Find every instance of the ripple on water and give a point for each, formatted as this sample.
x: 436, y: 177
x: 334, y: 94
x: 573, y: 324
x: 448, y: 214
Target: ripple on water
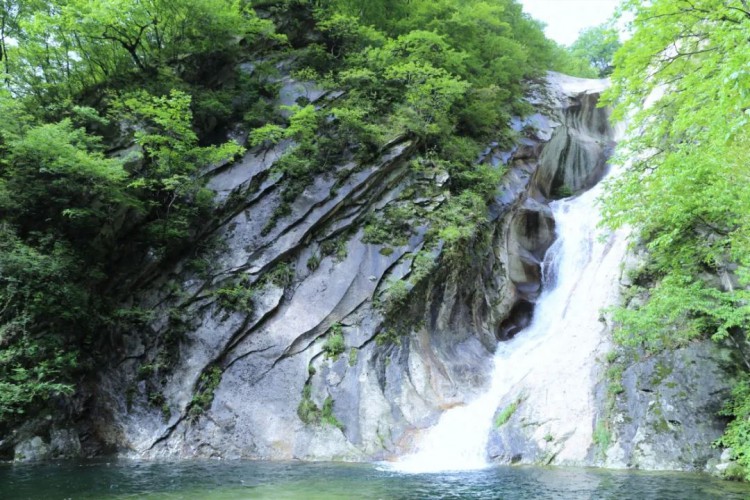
x: 310, y: 481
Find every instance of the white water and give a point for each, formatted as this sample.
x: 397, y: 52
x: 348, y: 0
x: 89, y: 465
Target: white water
x: 553, y: 356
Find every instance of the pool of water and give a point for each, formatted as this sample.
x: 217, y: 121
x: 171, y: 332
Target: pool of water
x: 291, y: 480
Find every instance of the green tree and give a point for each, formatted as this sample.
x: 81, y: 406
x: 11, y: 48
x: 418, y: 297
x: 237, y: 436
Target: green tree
x: 58, y: 196
x: 65, y: 47
x: 42, y: 303
x: 172, y: 159
x: 68, y: 211
x: 564, y: 61
x: 598, y: 46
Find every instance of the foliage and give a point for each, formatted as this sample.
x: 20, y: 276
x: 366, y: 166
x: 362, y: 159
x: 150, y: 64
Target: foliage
x: 45, y: 279
x: 75, y: 224
x: 335, y: 247
x: 353, y: 356
x: 23, y: 385
x: 394, y: 296
x: 157, y: 400
x: 204, y: 395
x: 684, y: 192
x: 422, y: 266
x: 389, y: 336
x: 236, y: 297
x: 598, y: 45
x: 280, y: 275
x: 334, y: 345
x: 313, y: 262
x: 54, y: 175
x: 682, y: 80
x: 171, y: 161
x: 504, y: 416
x: 309, y: 413
x: 602, y: 435
x: 393, y: 227
x: 327, y: 417
x: 459, y: 222
x: 614, y: 379
x: 736, y: 435
x: 307, y: 410
x: 575, y: 65
x: 79, y: 44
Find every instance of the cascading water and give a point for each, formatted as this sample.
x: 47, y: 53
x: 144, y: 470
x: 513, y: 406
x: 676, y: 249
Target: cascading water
x: 580, y: 275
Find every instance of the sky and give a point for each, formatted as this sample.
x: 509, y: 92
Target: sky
x: 565, y: 18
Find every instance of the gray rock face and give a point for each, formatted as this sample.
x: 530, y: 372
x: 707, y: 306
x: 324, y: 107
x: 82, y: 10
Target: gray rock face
x: 576, y: 156
x: 531, y: 232
x: 64, y: 443
x: 666, y: 416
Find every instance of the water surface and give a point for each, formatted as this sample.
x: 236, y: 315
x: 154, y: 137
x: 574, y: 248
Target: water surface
x: 296, y: 480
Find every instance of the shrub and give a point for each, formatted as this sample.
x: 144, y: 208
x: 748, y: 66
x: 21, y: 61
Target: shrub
x: 504, y: 416
x: 326, y: 414
x: 602, y: 435
x: 308, y: 411
x: 204, y: 396
x: 334, y: 345
x: 395, y: 296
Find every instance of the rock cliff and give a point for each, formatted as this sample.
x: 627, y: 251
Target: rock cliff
x: 311, y: 367
x: 278, y: 338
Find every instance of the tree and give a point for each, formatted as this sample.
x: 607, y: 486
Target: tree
x: 67, y: 209
x: 58, y: 194
x: 598, y: 46
x: 172, y: 159
x: 78, y: 44
x: 564, y: 61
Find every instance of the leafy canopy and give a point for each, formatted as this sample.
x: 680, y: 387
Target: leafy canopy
x: 598, y: 46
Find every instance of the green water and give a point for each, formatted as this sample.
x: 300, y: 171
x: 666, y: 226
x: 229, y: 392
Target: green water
x: 309, y: 481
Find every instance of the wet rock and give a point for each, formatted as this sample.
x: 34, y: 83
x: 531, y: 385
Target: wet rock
x: 667, y: 416
x: 64, y: 443
x: 532, y: 231
x: 518, y: 319
x: 31, y: 450
x: 575, y: 158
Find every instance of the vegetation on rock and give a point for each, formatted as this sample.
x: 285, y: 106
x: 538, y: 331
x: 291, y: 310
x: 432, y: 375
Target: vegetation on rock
x: 685, y: 189
x: 81, y: 227
x: 81, y: 79
x: 506, y: 413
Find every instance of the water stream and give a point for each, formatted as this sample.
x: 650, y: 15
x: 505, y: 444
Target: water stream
x: 579, y: 275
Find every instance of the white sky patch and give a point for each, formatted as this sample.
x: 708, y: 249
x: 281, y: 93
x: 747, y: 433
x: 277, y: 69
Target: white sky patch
x: 566, y: 18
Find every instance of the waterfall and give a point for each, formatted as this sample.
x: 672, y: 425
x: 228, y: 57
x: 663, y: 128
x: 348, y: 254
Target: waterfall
x: 580, y: 274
